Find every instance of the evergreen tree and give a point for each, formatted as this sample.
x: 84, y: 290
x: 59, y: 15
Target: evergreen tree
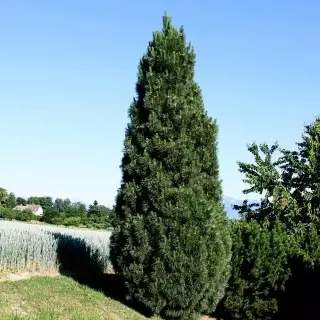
x: 171, y: 240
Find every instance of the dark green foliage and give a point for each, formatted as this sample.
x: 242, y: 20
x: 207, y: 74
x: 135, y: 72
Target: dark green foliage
x: 21, y: 201
x: 49, y: 215
x: 301, y: 299
x: 47, y: 205
x: 171, y: 240
x: 3, y: 196
x: 11, y: 201
x: 77, y: 209
x: 99, y: 215
x: 25, y: 215
x: 44, y: 202
x: 7, y: 213
x: 260, y: 271
x: 61, y: 205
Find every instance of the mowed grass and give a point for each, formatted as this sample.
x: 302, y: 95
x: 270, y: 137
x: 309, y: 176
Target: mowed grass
x: 53, y: 298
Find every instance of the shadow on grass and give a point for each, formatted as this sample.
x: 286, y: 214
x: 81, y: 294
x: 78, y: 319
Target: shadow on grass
x: 79, y: 262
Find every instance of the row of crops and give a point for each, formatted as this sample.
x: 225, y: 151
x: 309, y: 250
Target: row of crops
x: 45, y: 248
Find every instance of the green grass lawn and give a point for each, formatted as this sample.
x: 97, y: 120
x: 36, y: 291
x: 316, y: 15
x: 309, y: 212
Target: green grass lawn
x: 51, y: 298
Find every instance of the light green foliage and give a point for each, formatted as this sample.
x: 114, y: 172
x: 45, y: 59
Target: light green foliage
x: 27, y: 247
x: 301, y: 173
x: 262, y: 177
x: 293, y: 176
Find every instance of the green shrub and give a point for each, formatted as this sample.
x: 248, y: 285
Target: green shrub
x: 7, y: 213
x: 25, y: 215
x: 260, y: 271
x: 72, y: 221
x: 58, y: 220
x: 171, y: 240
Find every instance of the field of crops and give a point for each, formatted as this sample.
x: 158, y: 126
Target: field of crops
x: 45, y: 248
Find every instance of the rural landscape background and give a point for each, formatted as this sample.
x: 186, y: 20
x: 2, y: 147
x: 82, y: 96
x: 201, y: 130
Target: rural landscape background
x: 159, y: 161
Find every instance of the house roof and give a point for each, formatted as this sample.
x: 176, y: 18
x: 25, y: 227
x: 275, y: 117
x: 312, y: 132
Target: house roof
x: 32, y: 207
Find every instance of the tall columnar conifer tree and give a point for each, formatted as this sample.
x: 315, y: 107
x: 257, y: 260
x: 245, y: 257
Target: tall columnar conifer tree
x: 171, y: 239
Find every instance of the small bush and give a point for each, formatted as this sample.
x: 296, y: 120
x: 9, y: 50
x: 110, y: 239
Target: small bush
x: 7, y: 213
x: 72, y: 221
x: 25, y: 215
x: 260, y: 270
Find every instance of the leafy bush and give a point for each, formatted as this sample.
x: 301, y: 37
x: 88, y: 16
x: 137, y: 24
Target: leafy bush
x: 260, y: 271
x: 7, y: 213
x: 25, y: 215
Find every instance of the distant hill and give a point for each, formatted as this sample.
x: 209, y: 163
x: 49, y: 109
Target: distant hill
x: 228, y: 206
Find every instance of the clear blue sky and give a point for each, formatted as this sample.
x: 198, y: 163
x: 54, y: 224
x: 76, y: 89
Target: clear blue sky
x: 68, y: 72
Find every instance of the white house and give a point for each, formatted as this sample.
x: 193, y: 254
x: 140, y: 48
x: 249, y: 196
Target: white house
x: 34, y: 208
